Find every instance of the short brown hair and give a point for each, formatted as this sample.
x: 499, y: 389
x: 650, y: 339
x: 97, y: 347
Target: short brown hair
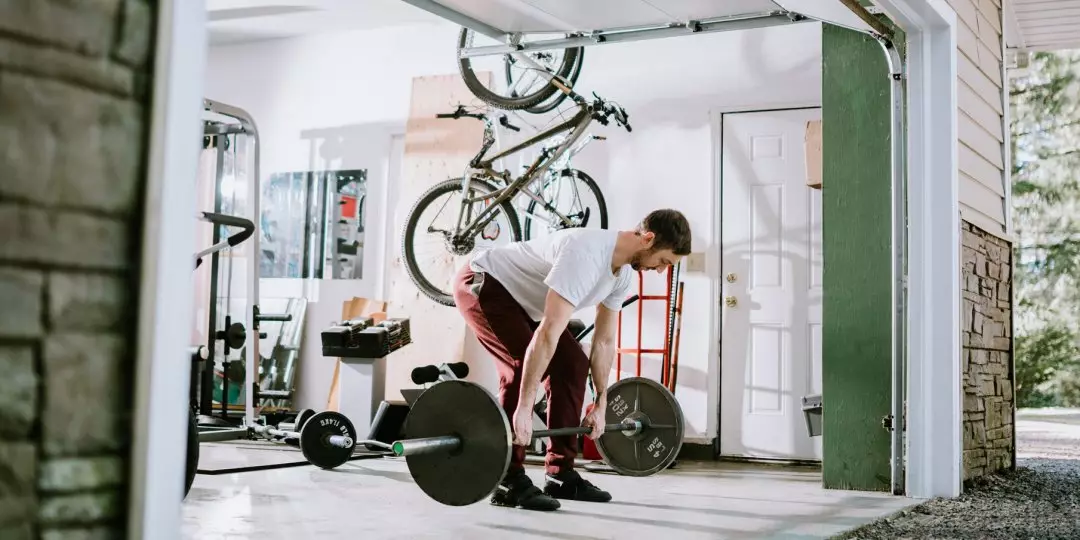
x: 670, y: 228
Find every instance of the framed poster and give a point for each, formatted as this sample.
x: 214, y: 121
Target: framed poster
x: 313, y: 223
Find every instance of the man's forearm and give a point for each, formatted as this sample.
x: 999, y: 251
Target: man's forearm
x: 600, y: 359
x: 537, y: 357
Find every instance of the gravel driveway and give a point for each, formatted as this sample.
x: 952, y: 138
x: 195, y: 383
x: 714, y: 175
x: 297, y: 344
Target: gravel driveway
x: 1038, y: 500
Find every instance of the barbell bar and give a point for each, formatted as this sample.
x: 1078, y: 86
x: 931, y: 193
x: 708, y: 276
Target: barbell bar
x: 450, y: 443
x: 340, y: 441
x: 458, y: 440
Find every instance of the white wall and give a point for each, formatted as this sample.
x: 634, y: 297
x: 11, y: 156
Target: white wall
x: 356, y: 86
x: 328, y: 102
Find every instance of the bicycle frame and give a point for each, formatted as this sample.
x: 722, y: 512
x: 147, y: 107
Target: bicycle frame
x: 568, y: 157
x: 576, y: 125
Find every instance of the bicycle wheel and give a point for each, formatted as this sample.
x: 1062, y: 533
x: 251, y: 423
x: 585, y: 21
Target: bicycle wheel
x: 575, y: 195
x: 547, y: 106
x: 430, y: 244
x: 531, y: 88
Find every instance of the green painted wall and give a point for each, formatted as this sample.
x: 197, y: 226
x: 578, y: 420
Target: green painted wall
x: 856, y: 335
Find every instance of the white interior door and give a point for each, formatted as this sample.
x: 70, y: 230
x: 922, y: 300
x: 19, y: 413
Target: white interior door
x: 770, y: 286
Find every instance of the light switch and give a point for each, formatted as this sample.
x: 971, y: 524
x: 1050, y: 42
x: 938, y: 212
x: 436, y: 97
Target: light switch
x: 695, y: 262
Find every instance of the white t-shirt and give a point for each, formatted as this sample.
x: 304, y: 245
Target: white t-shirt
x: 575, y: 263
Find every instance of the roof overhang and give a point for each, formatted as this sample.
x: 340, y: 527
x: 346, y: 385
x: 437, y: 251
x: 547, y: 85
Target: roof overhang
x: 1042, y: 25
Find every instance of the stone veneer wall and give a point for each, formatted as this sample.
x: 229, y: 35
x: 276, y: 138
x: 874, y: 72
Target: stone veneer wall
x: 74, y: 96
x: 989, y: 444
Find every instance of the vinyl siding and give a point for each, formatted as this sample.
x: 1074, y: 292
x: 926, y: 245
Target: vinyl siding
x: 980, y: 124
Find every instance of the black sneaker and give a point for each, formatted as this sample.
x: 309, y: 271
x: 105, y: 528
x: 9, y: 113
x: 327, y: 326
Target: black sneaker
x: 570, y: 485
x: 516, y: 489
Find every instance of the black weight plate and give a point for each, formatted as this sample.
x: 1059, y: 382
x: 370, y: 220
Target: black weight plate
x: 192, y: 451
x: 235, y: 335
x: 314, y: 439
x: 302, y: 417
x: 653, y: 449
x: 473, y: 471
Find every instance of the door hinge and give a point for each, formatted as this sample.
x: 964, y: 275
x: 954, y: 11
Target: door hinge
x: 887, y: 422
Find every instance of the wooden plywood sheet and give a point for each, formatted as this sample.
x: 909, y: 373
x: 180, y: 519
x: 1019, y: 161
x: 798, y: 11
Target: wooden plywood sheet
x: 855, y: 338
x: 435, y: 150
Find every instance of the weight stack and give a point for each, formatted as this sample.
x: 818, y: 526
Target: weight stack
x: 399, y: 333
x: 365, y: 340
x: 345, y: 334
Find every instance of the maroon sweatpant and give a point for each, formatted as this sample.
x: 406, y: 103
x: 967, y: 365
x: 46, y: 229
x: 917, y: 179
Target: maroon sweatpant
x: 505, y: 330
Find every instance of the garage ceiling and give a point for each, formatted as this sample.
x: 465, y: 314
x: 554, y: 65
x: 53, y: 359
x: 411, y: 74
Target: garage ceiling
x: 236, y: 21
x: 499, y: 17
x: 239, y: 21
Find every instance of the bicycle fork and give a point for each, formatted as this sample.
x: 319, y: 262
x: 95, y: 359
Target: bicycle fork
x: 563, y: 165
x: 552, y: 78
x: 465, y: 211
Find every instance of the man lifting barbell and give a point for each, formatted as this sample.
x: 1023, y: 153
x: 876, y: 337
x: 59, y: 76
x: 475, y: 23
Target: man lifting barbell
x: 518, y: 299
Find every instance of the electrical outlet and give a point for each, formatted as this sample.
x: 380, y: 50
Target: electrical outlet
x: 695, y: 262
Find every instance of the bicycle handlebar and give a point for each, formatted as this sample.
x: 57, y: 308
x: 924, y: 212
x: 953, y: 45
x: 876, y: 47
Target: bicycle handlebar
x: 602, y: 110
x: 506, y: 124
x: 460, y: 112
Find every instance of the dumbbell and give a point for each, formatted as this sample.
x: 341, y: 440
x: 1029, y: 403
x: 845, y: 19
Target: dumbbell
x: 326, y: 439
x: 459, y: 440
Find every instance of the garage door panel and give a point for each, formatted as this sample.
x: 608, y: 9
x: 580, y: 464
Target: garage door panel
x: 508, y: 15
x: 564, y: 16
x: 704, y: 9
x: 608, y: 14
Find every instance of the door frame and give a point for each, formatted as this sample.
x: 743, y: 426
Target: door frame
x: 160, y: 405
x: 713, y: 264
x: 934, y: 437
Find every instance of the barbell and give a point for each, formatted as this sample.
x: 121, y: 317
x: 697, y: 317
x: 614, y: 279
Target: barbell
x: 326, y: 439
x: 459, y: 441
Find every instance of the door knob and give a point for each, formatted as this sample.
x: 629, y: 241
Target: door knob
x: 730, y: 301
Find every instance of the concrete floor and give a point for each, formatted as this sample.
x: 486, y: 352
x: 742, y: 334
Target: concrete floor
x: 1052, y: 433
x: 376, y: 498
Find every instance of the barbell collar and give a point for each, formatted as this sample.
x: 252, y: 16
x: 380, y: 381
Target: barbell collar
x: 426, y: 445
x: 340, y: 441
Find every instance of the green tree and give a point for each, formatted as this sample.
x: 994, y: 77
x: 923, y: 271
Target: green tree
x: 1045, y: 135
x: 1041, y: 357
